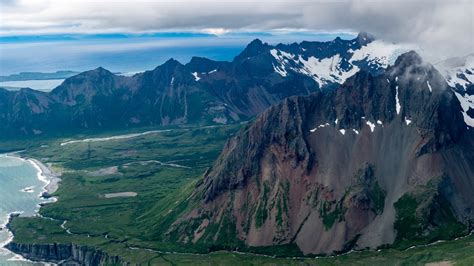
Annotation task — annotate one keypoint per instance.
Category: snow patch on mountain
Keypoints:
(371, 125)
(458, 71)
(429, 86)
(467, 102)
(336, 68)
(408, 121)
(281, 56)
(280, 71)
(320, 126)
(196, 77)
(326, 70)
(378, 53)
(322, 71)
(397, 100)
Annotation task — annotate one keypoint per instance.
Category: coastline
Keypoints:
(51, 183)
(46, 175)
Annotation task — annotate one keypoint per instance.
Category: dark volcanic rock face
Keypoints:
(338, 169)
(201, 92)
(65, 254)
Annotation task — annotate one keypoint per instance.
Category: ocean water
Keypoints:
(20, 189)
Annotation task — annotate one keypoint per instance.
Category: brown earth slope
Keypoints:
(381, 160)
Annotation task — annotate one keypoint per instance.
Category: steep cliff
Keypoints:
(65, 254)
(382, 160)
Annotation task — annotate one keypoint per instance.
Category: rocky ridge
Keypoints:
(202, 91)
(366, 165)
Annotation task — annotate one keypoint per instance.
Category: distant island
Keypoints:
(64, 74)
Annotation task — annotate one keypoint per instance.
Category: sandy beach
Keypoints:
(47, 175)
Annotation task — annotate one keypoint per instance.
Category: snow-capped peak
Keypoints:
(336, 68)
(323, 71)
(378, 53)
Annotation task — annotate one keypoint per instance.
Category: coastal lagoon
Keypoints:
(20, 191)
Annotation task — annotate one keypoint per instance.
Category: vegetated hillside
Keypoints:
(382, 160)
(202, 91)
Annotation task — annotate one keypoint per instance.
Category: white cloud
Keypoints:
(216, 31)
(442, 28)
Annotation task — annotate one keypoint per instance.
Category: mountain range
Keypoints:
(355, 144)
(382, 160)
(202, 91)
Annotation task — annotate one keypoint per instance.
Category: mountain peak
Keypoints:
(97, 72)
(256, 42)
(94, 74)
(409, 58)
(171, 62)
(100, 69)
(254, 48)
(364, 38)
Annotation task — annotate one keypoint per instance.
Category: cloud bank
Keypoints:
(441, 28)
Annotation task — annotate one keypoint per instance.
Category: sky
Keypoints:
(441, 28)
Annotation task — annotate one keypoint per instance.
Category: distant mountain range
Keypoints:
(201, 92)
(382, 160)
